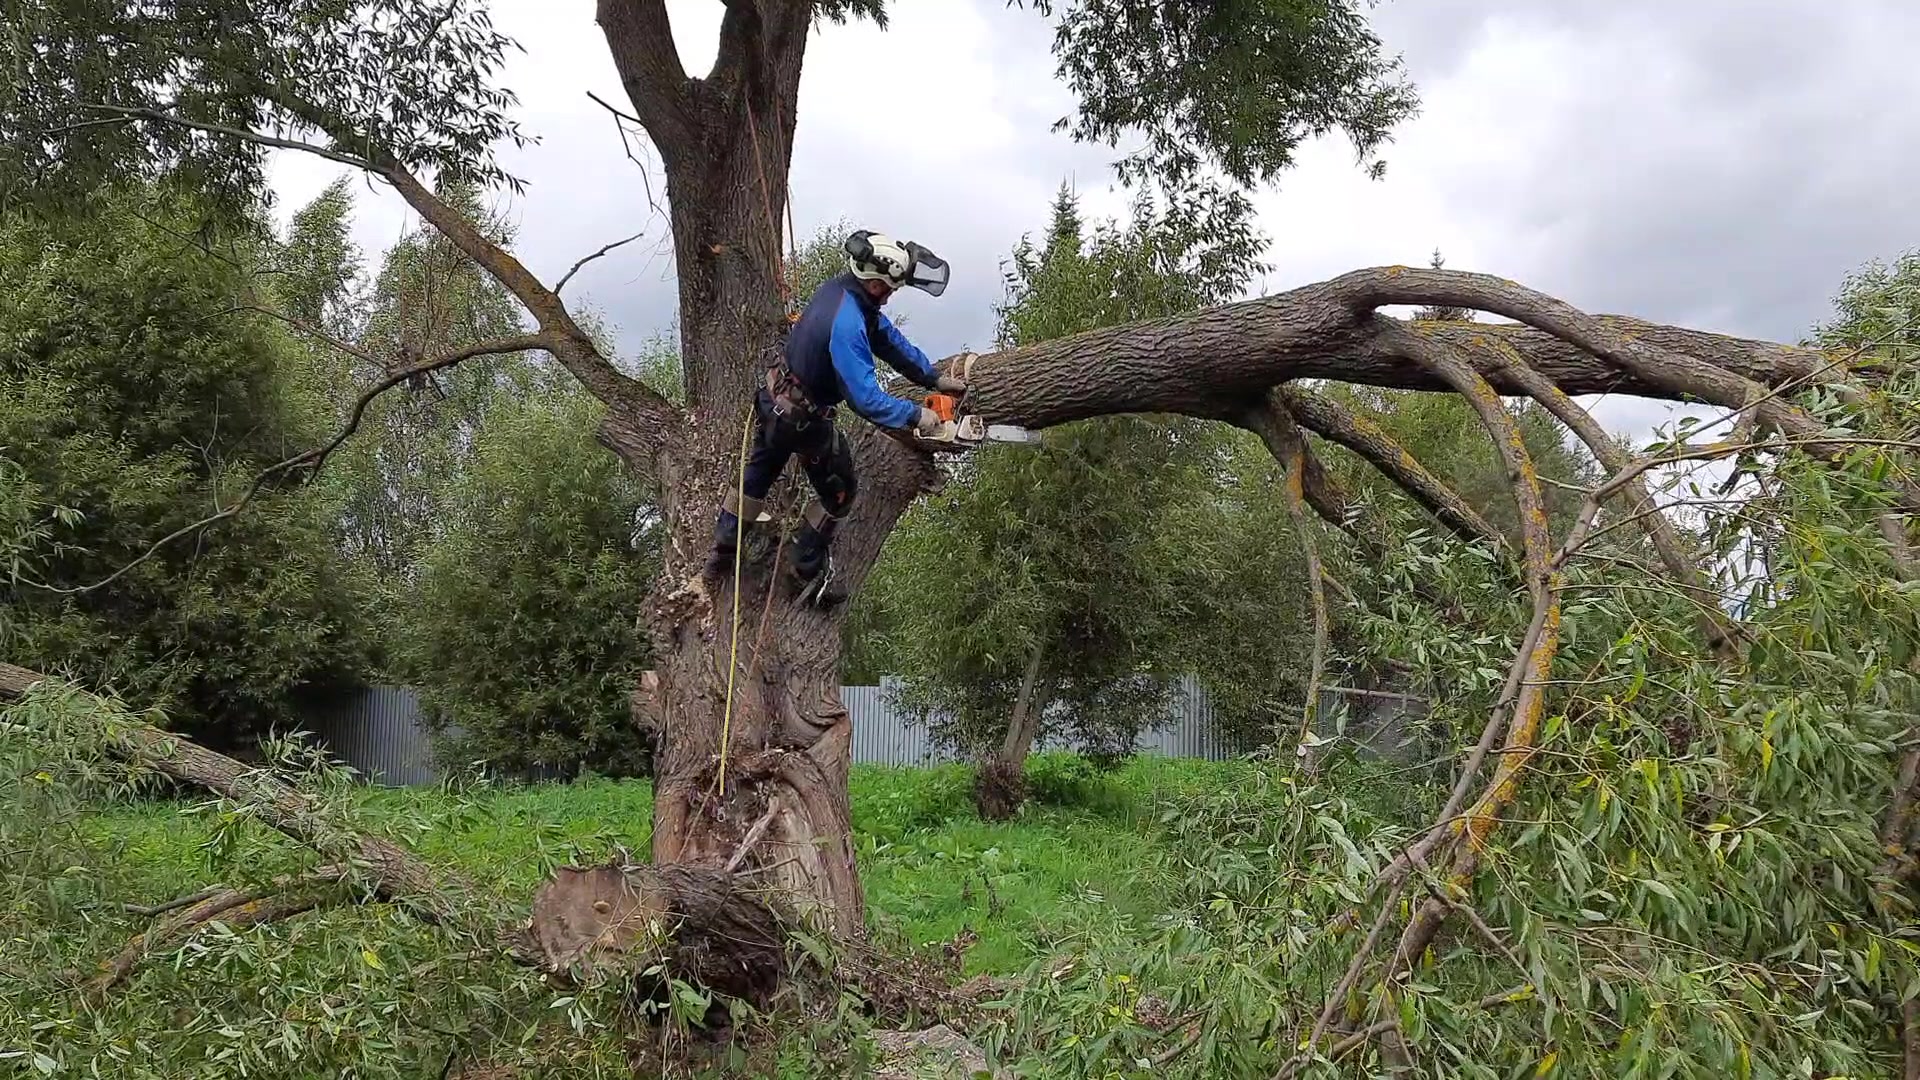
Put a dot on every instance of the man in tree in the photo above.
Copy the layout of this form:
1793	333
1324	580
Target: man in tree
830	357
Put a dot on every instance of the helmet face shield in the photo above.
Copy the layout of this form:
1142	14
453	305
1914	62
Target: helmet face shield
925	270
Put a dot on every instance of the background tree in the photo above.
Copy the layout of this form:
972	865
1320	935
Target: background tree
1443	312
518	628
1049	589
136	398
428	298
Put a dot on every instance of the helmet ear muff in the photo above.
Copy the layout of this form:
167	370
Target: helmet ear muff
876	261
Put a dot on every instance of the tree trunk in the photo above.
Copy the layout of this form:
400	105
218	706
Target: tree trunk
1001	787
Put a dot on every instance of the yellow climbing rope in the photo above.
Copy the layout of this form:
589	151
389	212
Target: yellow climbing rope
733	648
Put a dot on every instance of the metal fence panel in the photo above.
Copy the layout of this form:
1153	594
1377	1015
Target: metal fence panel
378	731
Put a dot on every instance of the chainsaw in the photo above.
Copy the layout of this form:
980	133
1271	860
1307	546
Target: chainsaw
965	431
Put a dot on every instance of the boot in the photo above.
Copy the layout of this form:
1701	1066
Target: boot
813	575
726	535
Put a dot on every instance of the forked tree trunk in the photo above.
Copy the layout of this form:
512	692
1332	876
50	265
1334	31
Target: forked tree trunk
1001	786
753	742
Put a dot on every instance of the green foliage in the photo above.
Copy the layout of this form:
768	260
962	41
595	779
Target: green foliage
1690	882
351	989
367	990
1443	433
134	401
818	260
1095	549
319	271
519	627
1237	85
412	79
1878	309
427	299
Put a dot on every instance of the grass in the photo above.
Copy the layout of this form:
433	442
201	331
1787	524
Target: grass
931	867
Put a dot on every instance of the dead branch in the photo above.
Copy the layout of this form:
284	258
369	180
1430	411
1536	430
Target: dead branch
568	276
236	908
313	458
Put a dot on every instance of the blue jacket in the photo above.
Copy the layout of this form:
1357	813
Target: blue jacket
831	350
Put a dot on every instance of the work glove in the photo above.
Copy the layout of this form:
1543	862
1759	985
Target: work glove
952	384
928	422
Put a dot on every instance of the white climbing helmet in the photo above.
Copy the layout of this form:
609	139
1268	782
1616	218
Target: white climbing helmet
875	256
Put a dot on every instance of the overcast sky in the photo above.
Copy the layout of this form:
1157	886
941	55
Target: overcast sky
1718	163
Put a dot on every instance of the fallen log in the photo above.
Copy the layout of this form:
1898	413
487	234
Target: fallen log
236	908
704	925
395	873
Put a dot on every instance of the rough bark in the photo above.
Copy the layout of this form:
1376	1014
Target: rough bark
1210	362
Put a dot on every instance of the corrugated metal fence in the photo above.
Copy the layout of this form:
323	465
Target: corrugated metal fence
378	732
882	735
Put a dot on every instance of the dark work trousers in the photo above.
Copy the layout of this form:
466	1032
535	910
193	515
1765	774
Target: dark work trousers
827	457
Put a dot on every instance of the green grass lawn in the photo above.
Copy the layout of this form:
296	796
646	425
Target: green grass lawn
931	867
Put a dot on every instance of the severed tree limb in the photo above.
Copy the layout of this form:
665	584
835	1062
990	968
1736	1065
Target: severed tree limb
1682	565
1531	662
1678	373
561	285
394	872
311	459
1290	446
170	905
237	908
1333	421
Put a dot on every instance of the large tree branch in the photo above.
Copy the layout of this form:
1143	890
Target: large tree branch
640	37
1676	372
1333	421
1192	363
